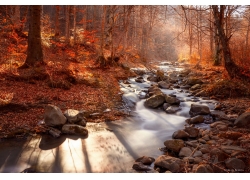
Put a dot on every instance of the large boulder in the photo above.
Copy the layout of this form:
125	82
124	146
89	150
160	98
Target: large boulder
174	145
169	163
197	109
155	101
53	116
74	129
243	120
180	134
73	116
172	100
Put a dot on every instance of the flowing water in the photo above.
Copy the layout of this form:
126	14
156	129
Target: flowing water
110	147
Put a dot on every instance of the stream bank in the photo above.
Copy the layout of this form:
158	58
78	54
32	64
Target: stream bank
114	146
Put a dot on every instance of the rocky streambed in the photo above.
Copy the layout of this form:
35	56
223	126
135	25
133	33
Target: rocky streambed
170	127
209	142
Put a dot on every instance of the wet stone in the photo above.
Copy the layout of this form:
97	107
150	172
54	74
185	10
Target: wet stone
197	109
197	119
174	145
197	154
236	164
192	131
185	152
169	163
204	168
145	160
180	134
139	166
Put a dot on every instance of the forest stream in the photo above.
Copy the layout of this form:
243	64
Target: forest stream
110	146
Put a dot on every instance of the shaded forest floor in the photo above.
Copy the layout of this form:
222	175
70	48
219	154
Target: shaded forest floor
71	85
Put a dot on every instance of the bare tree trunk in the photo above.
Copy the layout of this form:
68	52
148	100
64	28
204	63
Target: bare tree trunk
35	53
67	29
246	44
190	32
211	26
74	23
16	15
57	32
233	70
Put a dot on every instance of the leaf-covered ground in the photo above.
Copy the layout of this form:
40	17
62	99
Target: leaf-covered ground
97	90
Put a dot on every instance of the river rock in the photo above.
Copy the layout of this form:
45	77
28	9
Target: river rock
180	134
196	119
152	78
222	127
73	116
165	106
193	81
172	109
215	124
55	132
169	163
139	71
74	129
197	154
192	131
53	116
235	164
185	72
154	90
195	87
204	150
83	122
197	160
219	115
155	101
192	143
204	168
145	160
164	85
243	120
185	152
139	166
217	155
188	159
174	145
197	109
172	100
139	80
231	149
